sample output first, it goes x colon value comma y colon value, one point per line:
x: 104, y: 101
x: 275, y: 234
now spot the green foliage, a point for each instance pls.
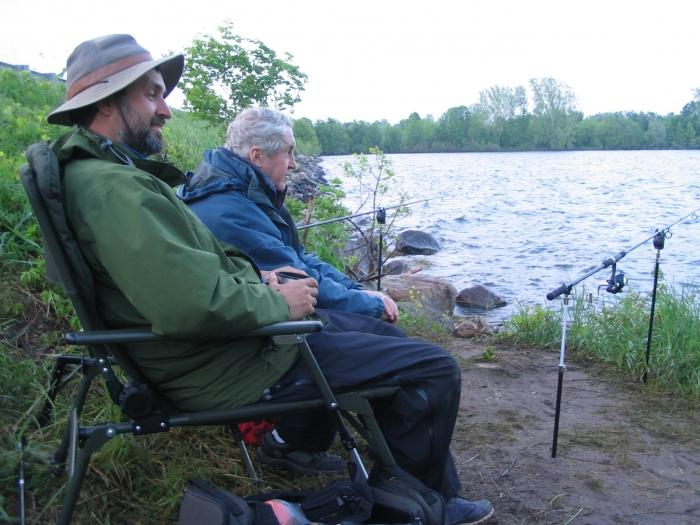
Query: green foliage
x: 326, y: 241
x: 227, y: 73
x: 489, y: 354
x: 305, y: 135
x: 24, y: 103
x: 617, y: 334
x: 375, y: 178
x: 534, y: 326
x: 187, y: 138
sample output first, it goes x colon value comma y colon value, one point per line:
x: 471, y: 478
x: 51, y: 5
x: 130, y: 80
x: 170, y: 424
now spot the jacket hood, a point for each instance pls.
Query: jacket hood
x: 222, y: 170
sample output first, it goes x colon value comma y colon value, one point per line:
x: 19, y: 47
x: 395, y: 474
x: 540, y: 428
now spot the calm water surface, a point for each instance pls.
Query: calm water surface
x: 524, y: 223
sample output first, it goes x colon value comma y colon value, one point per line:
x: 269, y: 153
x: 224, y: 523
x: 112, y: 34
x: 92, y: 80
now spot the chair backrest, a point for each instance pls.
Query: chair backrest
x: 65, y: 264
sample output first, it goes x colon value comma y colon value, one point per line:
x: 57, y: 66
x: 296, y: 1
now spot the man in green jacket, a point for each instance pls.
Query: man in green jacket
x: 155, y: 264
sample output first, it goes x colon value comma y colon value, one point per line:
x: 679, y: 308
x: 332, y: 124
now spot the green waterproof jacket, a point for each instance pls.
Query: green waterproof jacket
x: 155, y: 264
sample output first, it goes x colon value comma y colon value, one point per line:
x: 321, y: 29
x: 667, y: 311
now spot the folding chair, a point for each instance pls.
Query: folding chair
x: 144, y: 409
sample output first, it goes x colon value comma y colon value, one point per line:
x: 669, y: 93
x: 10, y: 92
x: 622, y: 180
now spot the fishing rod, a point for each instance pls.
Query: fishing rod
x: 347, y: 217
x: 615, y: 284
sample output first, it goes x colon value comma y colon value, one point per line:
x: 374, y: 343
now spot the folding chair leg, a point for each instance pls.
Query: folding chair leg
x: 59, y: 371
x: 62, y: 451
x: 97, y: 437
x: 245, y: 455
x: 366, y: 425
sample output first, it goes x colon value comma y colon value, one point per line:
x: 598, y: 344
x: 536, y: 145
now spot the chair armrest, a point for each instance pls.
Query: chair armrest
x: 144, y: 335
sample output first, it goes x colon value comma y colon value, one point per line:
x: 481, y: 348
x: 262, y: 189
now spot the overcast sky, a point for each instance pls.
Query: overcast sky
x: 373, y: 59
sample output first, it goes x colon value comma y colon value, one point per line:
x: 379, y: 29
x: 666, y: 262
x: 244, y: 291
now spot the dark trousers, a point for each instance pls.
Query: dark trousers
x: 360, y: 351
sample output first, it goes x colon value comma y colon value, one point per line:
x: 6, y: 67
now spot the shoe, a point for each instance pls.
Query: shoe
x: 459, y: 510
x: 281, y: 455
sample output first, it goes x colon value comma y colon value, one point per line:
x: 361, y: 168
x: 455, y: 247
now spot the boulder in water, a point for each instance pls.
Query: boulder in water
x: 479, y: 296
x: 416, y: 242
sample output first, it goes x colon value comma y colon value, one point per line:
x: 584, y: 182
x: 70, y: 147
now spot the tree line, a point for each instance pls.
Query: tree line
x: 487, y: 127
x: 226, y: 73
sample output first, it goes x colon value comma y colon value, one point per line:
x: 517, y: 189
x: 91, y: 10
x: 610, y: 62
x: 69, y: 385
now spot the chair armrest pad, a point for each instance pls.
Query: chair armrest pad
x: 144, y: 335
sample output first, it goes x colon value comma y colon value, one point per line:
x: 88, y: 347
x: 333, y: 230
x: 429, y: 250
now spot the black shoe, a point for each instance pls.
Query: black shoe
x: 281, y: 455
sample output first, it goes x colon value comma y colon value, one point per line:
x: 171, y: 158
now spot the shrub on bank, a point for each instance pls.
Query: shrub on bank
x: 617, y: 333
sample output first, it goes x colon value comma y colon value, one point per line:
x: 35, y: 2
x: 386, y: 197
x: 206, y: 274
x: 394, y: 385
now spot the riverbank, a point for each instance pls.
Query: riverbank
x: 627, y: 453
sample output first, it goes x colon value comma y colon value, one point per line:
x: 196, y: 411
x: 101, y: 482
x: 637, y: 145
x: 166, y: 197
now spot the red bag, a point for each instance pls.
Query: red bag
x: 253, y: 431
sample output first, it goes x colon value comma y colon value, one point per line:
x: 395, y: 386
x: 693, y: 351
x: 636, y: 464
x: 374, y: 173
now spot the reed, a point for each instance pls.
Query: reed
x: 616, y: 332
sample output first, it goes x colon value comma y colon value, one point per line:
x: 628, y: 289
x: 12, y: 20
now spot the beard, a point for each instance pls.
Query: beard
x: 137, y: 133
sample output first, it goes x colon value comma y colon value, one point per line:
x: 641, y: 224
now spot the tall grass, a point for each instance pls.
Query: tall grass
x: 617, y: 332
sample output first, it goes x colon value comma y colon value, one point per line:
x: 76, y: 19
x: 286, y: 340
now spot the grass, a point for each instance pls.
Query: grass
x: 616, y: 333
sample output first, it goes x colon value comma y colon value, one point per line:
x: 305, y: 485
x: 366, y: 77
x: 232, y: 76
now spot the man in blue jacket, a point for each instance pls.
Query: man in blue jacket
x: 238, y: 191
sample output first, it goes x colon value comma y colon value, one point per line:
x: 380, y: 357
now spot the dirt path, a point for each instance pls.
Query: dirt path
x: 625, y: 454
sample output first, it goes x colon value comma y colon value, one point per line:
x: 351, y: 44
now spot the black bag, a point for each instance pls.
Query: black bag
x: 202, y: 503
x: 401, y: 498
x: 340, y: 501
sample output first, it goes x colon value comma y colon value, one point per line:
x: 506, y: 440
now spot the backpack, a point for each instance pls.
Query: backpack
x: 401, y: 498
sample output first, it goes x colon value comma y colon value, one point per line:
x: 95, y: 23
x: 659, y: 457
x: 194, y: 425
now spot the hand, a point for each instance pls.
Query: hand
x: 391, y: 309
x: 290, y: 269
x: 300, y: 295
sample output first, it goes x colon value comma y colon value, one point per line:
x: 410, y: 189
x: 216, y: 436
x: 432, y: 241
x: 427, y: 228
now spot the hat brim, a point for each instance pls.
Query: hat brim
x: 170, y: 68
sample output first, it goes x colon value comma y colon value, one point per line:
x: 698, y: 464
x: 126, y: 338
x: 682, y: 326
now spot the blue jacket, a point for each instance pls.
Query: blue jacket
x: 237, y: 202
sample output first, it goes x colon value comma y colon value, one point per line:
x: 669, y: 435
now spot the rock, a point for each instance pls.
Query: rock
x: 472, y: 326
x: 395, y: 267
x: 478, y: 296
x: 304, y: 180
x: 414, y: 242
x: 433, y: 297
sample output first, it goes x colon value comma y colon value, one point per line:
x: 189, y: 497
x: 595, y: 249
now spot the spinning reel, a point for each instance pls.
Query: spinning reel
x: 617, y: 281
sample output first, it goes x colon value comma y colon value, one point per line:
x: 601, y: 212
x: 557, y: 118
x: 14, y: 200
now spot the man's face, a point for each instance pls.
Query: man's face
x: 144, y: 112
x: 278, y: 165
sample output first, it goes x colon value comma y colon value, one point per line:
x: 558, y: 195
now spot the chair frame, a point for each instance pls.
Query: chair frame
x: 65, y: 266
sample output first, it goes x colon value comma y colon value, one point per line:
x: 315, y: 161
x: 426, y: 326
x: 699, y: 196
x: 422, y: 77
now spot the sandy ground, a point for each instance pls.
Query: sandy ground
x: 626, y: 454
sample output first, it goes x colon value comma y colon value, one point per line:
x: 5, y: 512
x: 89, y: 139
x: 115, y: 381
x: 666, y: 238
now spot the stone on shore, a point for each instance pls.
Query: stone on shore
x: 472, y: 326
x: 424, y: 295
x: 479, y: 296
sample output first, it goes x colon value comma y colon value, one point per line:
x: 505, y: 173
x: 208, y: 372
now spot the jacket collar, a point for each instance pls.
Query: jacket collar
x: 223, y: 170
x: 81, y: 143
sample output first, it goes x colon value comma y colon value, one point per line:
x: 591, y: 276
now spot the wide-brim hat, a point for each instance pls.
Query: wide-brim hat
x: 103, y: 66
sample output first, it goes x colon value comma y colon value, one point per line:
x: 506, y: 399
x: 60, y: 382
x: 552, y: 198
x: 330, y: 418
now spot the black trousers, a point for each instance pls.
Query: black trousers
x: 360, y: 351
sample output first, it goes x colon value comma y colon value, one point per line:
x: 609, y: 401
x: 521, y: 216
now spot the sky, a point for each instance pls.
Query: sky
x: 383, y: 59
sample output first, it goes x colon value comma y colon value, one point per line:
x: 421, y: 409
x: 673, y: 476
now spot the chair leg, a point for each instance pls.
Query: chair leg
x: 245, y: 455
x: 62, y: 450
x: 366, y: 424
x: 97, y: 436
x: 59, y: 370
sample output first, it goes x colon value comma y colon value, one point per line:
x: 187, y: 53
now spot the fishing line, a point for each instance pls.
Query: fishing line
x: 347, y: 217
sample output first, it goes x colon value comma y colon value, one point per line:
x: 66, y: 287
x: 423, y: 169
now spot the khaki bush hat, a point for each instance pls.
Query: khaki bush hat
x: 103, y: 66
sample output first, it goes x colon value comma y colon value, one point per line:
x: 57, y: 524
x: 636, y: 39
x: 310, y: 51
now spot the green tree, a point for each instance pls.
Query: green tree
x: 453, y: 128
x: 500, y: 105
x: 333, y: 137
x: 418, y: 133
x: 555, y: 113
x: 228, y: 73
x: 305, y: 135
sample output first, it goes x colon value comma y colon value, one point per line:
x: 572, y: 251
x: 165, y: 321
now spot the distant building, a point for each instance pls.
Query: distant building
x: 53, y: 77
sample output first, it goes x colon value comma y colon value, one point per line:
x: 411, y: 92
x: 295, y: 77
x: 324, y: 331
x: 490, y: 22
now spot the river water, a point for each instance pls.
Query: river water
x: 524, y: 223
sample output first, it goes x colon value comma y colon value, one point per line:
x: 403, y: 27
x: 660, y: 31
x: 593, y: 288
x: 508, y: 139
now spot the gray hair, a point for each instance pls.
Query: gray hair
x: 262, y: 127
